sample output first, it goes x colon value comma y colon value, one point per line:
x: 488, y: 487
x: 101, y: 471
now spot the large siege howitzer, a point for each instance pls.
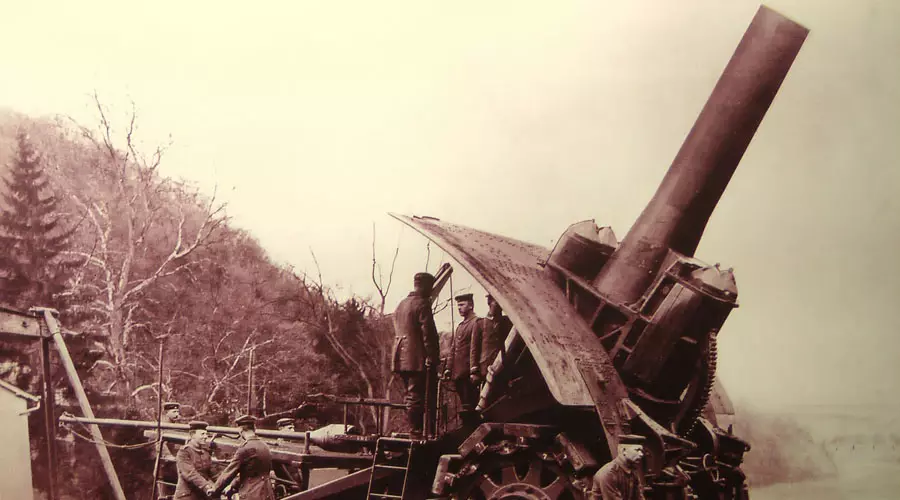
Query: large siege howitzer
x: 615, y: 338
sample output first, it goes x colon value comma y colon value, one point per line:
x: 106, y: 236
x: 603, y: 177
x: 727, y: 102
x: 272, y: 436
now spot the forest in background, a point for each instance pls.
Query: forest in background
x: 133, y: 262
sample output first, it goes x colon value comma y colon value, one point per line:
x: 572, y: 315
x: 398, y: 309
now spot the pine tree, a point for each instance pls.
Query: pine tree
x: 32, y: 269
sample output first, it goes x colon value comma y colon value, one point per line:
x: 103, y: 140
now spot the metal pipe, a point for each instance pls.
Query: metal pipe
x: 144, y: 424
x: 250, y: 383
x: 677, y: 215
x: 75, y: 382
x: 49, y: 417
x: 159, y: 410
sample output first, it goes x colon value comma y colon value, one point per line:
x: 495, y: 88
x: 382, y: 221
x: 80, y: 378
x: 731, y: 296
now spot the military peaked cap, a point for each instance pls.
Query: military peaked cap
x: 631, y: 439
x: 284, y: 421
x: 464, y: 297
x: 197, y: 425
x: 171, y: 405
x: 423, y: 278
x: 246, y: 421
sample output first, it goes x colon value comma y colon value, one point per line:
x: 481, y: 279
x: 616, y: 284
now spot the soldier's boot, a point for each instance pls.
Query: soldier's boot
x: 469, y: 418
x: 414, y: 416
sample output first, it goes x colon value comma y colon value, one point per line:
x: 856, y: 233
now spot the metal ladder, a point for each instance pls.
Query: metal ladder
x: 390, y: 444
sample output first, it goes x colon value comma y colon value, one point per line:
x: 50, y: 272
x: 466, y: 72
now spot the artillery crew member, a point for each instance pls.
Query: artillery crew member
x: 171, y: 412
x: 416, y: 353
x: 495, y: 329
x: 194, y: 465
x: 466, y: 358
x: 620, y: 479
x: 251, y: 463
x: 167, y: 470
x: 285, y: 424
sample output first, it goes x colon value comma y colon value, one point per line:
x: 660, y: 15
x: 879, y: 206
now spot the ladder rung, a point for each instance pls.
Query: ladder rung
x: 394, y: 467
x: 384, y: 495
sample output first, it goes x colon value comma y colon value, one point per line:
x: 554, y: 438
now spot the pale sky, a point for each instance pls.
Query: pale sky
x: 317, y: 118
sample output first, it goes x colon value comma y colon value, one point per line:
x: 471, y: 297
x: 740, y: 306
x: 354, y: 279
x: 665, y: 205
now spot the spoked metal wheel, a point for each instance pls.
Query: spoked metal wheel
x: 531, y: 479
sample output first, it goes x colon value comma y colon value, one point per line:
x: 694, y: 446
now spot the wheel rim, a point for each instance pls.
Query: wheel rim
x: 531, y: 480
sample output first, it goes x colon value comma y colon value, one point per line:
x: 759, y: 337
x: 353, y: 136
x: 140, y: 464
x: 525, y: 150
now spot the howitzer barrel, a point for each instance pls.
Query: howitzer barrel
x: 677, y: 215
x: 143, y: 424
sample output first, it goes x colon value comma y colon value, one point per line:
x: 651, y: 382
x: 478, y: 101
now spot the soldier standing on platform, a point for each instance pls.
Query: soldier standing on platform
x: 194, y: 465
x: 495, y: 329
x: 416, y: 353
x: 252, y: 463
x: 465, y: 359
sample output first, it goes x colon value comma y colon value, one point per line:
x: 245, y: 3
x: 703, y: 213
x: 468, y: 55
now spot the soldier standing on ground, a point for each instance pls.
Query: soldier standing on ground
x: 252, y: 463
x: 466, y: 358
x: 194, y: 465
x: 495, y: 329
x: 171, y: 415
x: 620, y: 479
x: 416, y: 353
x: 167, y: 472
x: 171, y: 412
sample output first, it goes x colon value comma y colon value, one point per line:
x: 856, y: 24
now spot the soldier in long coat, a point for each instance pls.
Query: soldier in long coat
x: 495, y: 328
x: 194, y: 465
x: 251, y: 463
x: 466, y: 358
x: 416, y: 353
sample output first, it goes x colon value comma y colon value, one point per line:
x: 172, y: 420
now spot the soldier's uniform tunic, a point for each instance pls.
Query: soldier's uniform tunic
x: 616, y: 481
x: 194, y: 465
x: 252, y: 462
x: 494, y: 333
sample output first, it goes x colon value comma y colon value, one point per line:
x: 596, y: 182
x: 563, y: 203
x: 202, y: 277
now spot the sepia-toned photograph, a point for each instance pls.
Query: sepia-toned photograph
x: 609, y: 250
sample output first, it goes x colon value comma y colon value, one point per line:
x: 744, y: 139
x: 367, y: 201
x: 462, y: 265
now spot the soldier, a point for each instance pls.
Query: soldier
x: 252, y: 462
x: 171, y: 412
x: 466, y: 358
x: 620, y: 478
x: 495, y: 329
x: 285, y: 424
x: 194, y: 465
x: 167, y: 472
x: 416, y: 352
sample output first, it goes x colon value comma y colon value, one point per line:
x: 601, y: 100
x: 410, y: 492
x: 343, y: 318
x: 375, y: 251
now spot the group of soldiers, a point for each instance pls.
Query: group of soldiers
x: 247, y: 474
x: 474, y: 346
x: 416, y: 355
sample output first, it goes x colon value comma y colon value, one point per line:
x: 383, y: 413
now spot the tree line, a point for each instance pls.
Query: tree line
x: 136, y: 263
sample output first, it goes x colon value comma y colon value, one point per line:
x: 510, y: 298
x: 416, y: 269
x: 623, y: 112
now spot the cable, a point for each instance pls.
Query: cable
x: 108, y: 444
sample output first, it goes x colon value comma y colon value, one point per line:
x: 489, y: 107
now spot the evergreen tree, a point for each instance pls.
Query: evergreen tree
x: 32, y: 270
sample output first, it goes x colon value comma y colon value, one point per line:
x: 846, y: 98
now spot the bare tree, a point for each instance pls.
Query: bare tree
x: 126, y: 227
x: 380, y: 286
